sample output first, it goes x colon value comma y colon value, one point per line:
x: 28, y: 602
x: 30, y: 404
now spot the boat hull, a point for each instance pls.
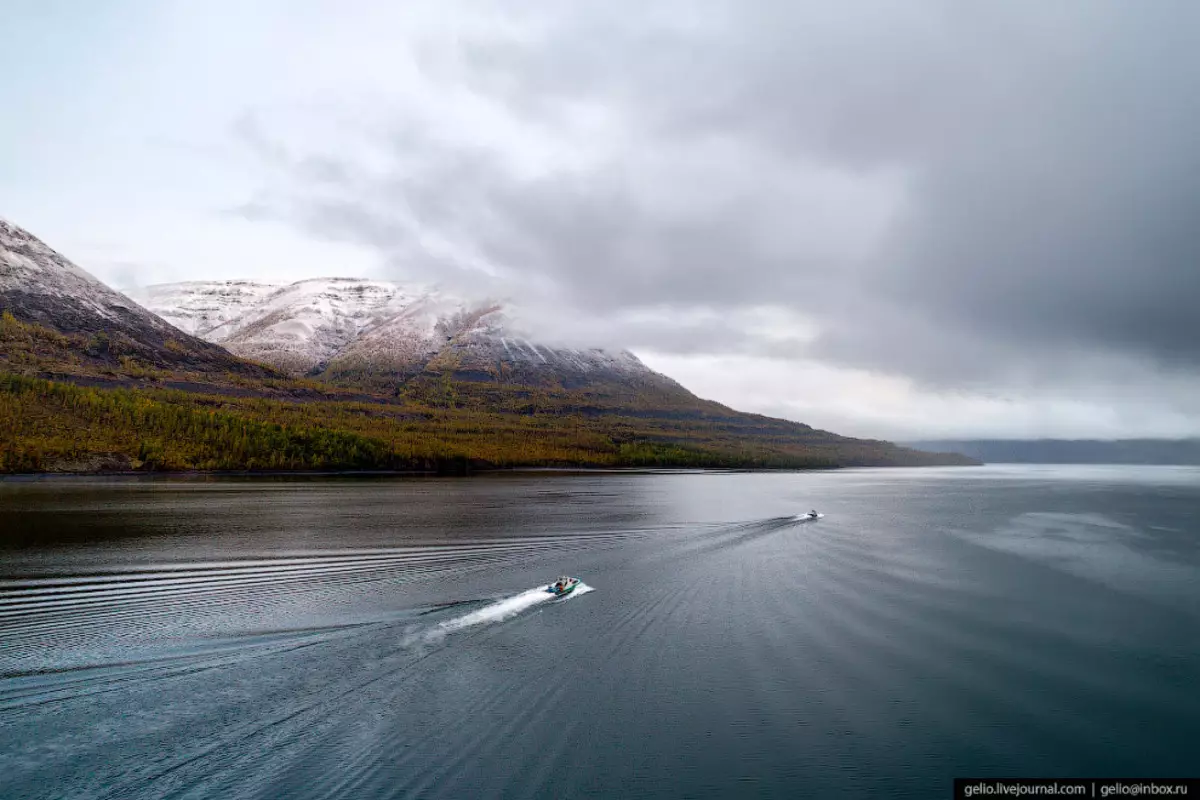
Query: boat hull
x: 562, y: 592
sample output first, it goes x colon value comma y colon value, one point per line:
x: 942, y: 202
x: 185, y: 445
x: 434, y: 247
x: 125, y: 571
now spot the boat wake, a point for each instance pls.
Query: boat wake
x: 498, y: 611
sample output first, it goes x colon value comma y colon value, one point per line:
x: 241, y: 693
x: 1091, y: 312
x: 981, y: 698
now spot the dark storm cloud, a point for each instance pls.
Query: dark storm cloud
x: 1037, y: 163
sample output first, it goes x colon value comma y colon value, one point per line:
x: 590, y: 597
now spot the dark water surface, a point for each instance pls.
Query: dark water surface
x: 371, y: 638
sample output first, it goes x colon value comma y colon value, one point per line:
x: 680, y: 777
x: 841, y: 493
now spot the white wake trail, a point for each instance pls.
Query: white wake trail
x: 499, y: 611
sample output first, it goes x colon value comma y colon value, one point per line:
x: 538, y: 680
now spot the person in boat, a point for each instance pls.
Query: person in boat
x: 813, y: 513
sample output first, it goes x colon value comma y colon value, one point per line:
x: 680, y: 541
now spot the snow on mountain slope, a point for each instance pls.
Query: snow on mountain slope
x: 200, y: 307
x: 39, y: 285
x: 303, y: 325
x: 348, y: 323
x: 412, y: 333
x: 37, y: 275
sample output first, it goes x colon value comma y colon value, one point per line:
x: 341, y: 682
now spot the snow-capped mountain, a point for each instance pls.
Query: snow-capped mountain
x: 338, y: 324
x: 39, y: 285
x: 333, y: 327
x: 297, y: 326
x: 34, y: 276
x: 200, y: 313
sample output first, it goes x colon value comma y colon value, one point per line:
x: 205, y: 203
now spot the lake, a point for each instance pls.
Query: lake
x: 340, y: 637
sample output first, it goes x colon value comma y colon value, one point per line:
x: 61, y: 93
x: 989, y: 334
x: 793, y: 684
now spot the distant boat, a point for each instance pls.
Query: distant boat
x: 812, y: 515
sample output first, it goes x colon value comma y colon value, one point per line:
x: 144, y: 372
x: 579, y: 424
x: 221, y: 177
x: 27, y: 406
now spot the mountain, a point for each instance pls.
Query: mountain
x: 342, y: 374
x: 95, y: 325
x: 356, y: 331
x: 1071, y: 451
x: 296, y: 327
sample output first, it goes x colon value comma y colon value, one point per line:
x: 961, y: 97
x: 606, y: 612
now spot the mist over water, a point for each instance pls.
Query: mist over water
x: 371, y: 638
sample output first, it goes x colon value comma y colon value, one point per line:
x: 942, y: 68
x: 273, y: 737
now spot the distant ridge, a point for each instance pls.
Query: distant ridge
x: 1184, y: 452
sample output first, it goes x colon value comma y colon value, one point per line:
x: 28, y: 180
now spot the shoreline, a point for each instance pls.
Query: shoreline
x: 23, y: 477
x: 491, y: 471
x: 15, y: 477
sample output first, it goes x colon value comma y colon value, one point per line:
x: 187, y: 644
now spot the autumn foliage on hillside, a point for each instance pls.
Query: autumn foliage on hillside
x: 73, y: 405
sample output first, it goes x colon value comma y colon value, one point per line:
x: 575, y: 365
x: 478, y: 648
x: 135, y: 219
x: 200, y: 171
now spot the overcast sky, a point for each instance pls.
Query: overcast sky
x: 887, y: 219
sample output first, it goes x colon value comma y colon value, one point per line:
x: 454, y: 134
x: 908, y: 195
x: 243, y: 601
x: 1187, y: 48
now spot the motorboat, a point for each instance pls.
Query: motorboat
x: 563, y: 586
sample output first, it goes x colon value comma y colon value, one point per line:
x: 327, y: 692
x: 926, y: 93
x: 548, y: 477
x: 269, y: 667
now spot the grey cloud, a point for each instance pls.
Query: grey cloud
x: 126, y: 275
x: 1044, y: 224
x: 1054, y: 185
x: 595, y: 236
x: 248, y: 130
